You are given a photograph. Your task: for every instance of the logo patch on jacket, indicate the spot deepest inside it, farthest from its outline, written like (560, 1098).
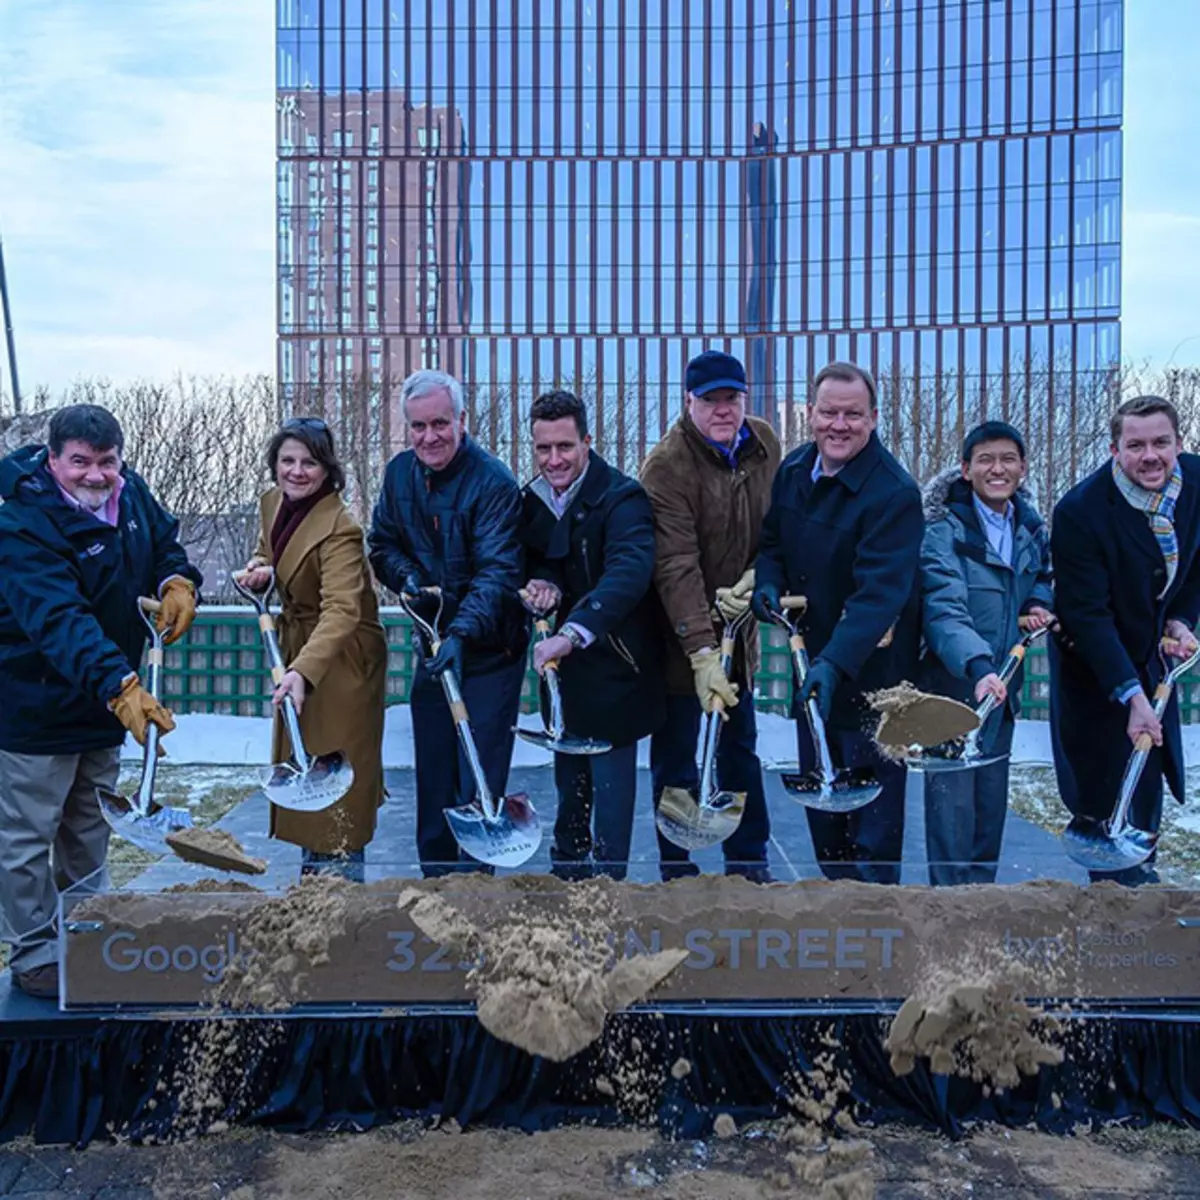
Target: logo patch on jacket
(94, 549)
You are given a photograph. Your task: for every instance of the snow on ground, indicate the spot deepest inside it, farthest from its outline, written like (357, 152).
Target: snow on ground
(217, 739)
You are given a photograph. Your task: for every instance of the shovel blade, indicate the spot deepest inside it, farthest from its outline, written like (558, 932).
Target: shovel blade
(1090, 844)
(850, 789)
(508, 840)
(148, 832)
(567, 744)
(693, 826)
(328, 779)
(935, 766)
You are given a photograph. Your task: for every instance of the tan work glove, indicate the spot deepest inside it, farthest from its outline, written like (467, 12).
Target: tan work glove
(134, 707)
(178, 608)
(711, 681)
(732, 602)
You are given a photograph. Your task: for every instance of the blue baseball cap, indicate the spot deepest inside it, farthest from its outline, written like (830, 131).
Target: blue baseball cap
(712, 370)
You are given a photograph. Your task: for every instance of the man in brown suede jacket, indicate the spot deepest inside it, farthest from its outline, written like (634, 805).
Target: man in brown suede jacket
(709, 481)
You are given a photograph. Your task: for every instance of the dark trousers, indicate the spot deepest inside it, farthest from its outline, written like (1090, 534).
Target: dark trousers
(867, 843)
(594, 826)
(965, 813)
(444, 777)
(673, 764)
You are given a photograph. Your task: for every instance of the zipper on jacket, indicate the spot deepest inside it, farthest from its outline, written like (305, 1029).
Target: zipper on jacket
(619, 646)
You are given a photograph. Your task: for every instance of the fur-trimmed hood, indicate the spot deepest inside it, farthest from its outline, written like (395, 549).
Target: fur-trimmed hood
(936, 497)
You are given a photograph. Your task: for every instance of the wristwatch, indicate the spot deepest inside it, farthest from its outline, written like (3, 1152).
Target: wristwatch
(573, 636)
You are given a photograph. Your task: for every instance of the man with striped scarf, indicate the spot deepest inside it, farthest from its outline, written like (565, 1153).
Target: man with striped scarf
(1125, 544)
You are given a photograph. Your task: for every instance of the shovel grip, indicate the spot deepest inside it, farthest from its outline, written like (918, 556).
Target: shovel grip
(149, 605)
(793, 603)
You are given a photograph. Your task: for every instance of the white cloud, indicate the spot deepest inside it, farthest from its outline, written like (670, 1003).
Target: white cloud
(138, 212)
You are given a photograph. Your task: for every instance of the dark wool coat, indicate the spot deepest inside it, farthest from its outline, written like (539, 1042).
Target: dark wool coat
(1108, 571)
(851, 544)
(600, 553)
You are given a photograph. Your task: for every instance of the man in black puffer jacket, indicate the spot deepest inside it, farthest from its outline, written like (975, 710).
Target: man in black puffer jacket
(589, 537)
(81, 538)
(449, 516)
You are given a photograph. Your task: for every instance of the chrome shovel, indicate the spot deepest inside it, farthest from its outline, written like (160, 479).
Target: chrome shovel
(965, 754)
(1115, 844)
(140, 819)
(307, 782)
(682, 820)
(827, 789)
(554, 737)
(502, 834)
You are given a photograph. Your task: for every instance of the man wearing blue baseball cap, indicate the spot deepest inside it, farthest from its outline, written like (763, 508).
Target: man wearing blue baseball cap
(709, 482)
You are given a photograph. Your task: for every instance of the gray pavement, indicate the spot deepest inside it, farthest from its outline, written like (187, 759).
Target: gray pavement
(1029, 852)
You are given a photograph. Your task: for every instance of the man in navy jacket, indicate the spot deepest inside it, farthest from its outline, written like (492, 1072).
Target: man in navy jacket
(81, 538)
(449, 516)
(844, 529)
(588, 532)
(1126, 549)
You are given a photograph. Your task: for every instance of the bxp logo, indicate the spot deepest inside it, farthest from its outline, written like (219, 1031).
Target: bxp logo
(1037, 951)
(121, 952)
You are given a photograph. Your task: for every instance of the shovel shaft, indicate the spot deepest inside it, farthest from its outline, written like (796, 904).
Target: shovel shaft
(812, 711)
(154, 659)
(266, 626)
(1138, 759)
(557, 724)
(462, 723)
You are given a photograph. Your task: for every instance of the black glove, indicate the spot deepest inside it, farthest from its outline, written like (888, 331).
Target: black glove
(410, 586)
(820, 684)
(765, 602)
(450, 654)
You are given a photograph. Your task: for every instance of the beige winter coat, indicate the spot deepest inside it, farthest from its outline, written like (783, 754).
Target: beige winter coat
(329, 631)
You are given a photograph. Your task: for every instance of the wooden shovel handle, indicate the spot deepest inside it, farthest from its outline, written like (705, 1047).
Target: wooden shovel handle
(149, 604)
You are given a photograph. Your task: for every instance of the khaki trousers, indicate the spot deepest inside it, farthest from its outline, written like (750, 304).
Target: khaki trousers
(52, 835)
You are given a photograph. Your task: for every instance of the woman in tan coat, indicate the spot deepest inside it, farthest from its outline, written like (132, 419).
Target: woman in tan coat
(330, 638)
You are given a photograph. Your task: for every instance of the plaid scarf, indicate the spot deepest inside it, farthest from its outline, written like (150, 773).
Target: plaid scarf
(1159, 508)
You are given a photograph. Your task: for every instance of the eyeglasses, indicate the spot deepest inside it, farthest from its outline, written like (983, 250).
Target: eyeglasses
(306, 423)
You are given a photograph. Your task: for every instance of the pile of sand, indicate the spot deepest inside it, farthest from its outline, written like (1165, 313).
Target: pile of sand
(981, 1030)
(545, 981)
(911, 717)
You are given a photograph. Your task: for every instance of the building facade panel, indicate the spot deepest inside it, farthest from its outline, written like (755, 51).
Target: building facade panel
(585, 192)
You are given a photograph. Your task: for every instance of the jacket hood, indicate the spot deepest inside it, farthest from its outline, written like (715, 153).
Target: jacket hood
(21, 465)
(936, 497)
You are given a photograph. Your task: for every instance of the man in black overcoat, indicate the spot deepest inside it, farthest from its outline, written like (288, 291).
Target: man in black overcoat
(588, 533)
(1125, 543)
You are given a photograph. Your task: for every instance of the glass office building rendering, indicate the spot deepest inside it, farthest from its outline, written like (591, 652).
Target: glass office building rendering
(587, 192)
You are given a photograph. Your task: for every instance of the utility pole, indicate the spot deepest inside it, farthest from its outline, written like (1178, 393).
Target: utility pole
(8, 334)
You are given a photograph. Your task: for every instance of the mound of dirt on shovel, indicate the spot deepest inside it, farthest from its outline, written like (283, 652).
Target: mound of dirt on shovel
(545, 981)
(214, 848)
(910, 717)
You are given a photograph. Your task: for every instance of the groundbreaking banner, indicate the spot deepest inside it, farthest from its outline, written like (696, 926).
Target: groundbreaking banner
(803, 942)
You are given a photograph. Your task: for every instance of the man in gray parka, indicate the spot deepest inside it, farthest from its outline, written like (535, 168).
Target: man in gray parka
(985, 562)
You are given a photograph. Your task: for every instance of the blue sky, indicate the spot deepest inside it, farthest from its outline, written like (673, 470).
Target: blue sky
(137, 190)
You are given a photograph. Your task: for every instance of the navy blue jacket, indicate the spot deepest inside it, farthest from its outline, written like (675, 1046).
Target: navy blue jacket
(69, 625)
(852, 545)
(600, 554)
(1108, 572)
(457, 528)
